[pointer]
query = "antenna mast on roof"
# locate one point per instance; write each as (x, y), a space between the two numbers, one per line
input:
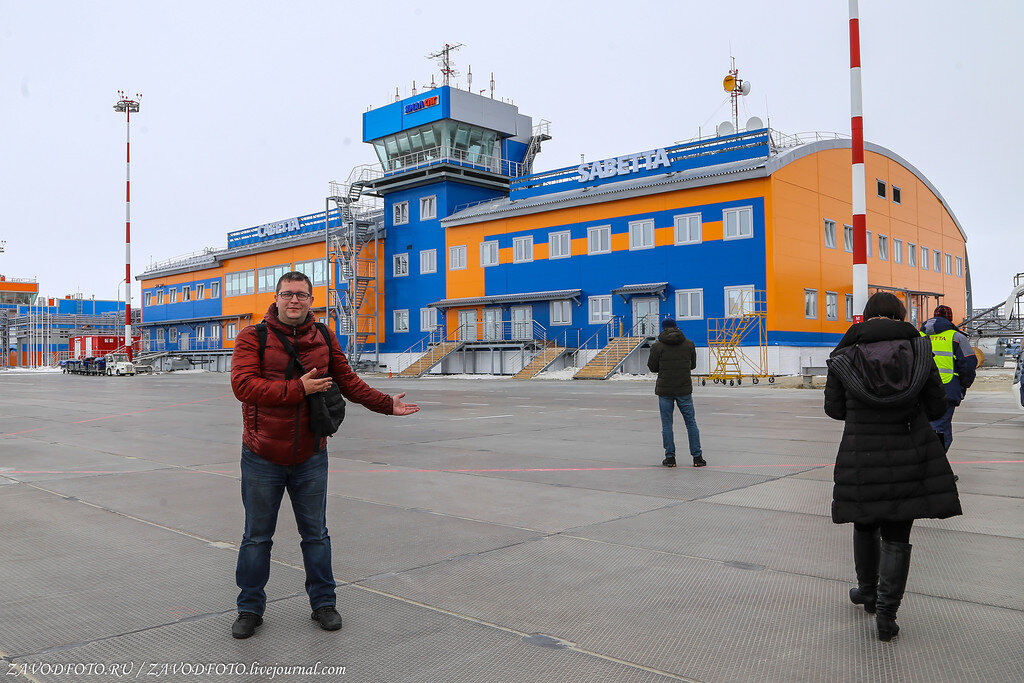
(447, 68)
(735, 87)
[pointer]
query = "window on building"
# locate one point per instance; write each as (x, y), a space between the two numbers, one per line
(266, 278)
(897, 250)
(400, 265)
(172, 296)
(559, 244)
(561, 313)
(811, 303)
(428, 208)
(911, 254)
(315, 270)
(230, 330)
(428, 319)
(600, 308)
(400, 213)
(880, 185)
(959, 266)
(201, 333)
(200, 291)
(147, 299)
(848, 238)
(215, 289)
(897, 195)
(599, 240)
(832, 305)
(689, 304)
(522, 249)
(883, 247)
(401, 320)
(641, 235)
(428, 261)
(457, 257)
(937, 260)
(739, 223)
(160, 298)
(688, 228)
(739, 300)
(868, 242)
(489, 253)
(830, 234)
(186, 293)
(849, 308)
(215, 331)
(924, 258)
(949, 264)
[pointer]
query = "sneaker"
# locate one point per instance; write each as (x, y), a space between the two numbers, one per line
(669, 461)
(327, 617)
(699, 461)
(245, 625)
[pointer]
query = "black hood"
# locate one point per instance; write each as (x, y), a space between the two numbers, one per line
(875, 330)
(672, 335)
(884, 373)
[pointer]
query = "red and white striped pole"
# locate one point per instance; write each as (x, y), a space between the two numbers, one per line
(128, 106)
(860, 241)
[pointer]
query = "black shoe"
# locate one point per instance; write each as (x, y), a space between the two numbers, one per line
(669, 461)
(893, 568)
(327, 617)
(699, 461)
(245, 625)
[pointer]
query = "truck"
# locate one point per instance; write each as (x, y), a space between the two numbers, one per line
(108, 365)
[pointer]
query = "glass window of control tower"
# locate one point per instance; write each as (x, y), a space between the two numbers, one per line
(442, 139)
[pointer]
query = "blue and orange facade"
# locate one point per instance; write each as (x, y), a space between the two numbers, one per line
(473, 242)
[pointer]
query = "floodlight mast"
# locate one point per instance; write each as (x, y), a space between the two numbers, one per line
(128, 107)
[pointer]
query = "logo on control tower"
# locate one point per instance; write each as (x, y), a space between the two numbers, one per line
(422, 104)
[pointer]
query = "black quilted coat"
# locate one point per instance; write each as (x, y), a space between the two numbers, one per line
(891, 467)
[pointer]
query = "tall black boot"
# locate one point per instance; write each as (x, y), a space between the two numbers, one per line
(865, 560)
(893, 567)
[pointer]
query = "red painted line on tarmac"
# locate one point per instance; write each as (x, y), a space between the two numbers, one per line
(149, 410)
(24, 432)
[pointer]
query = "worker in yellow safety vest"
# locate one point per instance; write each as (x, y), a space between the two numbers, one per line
(956, 362)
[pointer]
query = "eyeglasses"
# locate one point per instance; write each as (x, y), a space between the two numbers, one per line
(301, 296)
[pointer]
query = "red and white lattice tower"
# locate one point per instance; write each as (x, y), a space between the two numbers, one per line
(860, 241)
(128, 107)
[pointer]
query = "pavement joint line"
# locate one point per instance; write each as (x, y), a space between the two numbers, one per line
(4, 657)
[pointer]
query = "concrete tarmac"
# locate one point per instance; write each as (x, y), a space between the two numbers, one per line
(510, 531)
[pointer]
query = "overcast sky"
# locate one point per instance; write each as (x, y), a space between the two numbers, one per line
(249, 109)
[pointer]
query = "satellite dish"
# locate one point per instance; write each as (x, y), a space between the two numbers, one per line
(729, 83)
(754, 123)
(725, 128)
(745, 88)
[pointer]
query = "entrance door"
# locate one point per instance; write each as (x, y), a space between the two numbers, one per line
(492, 324)
(522, 322)
(467, 325)
(645, 316)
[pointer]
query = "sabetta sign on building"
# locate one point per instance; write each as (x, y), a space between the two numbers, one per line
(626, 165)
(422, 104)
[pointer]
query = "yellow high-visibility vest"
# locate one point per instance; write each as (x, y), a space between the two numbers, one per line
(942, 347)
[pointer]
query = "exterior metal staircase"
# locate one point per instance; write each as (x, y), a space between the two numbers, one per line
(542, 361)
(541, 134)
(610, 358)
(431, 357)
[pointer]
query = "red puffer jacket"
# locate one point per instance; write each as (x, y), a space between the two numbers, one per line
(275, 414)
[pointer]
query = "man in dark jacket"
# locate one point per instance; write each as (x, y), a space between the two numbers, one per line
(280, 451)
(956, 362)
(672, 357)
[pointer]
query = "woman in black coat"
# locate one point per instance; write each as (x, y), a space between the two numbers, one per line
(891, 468)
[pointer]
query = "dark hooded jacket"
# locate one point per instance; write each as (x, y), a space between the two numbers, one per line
(883, 382)
(964, 360)
(275, 413)
(672, 357)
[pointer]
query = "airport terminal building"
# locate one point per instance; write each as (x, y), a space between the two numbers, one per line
(450, 254)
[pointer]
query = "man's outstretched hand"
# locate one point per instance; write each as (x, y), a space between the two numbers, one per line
(401, 408)
(312, 385)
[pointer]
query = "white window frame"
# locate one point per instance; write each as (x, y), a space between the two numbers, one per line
(562, 238)
(686, 226)
(641, 234)
(400, 265)
(949, 264)
(687, 296)
(200, 291)
(489, 253)
(738, 288)
(897, 250)
(849, 308)
(912, 254)
(880, 188)
(457, 257)
(186, 293)
(925, 253)
(959, 266)
(230, 330)
(830, 234)
(522, 249)
(831, 305)
(428, 261)
(739, 212)
(810, 297)
(315, 270)
(201, 333)
(428, 207)
(561, 312)
(147, 299)
(401, 320)
(266, 278)
(848, 239)
(594, 235)
(937, 260)
(400, 213)
(867, 241)
(172, 295)
(428, 319)
(883, 248)
(600, 318)
(160, 298)
(215, 331)
(215, 289)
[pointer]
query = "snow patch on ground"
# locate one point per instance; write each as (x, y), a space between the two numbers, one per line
(565, 373)
(30, 371)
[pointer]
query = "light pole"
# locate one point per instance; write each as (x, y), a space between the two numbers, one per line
(128, 107)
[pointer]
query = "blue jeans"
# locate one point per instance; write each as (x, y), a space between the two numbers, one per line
(263, 486)
(944, 428)
(685, 403)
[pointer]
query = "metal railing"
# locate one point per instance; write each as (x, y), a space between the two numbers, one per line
(479, 333)
(195, 257)
(436, 155)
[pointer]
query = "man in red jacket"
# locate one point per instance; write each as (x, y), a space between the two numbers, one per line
(280, 452)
